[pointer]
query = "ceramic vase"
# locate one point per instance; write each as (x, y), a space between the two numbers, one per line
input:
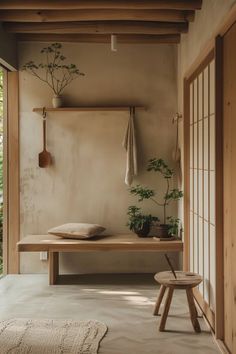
(57, 101)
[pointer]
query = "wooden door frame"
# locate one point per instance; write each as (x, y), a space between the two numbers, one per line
(219, 190)
(216, 41)
(216, 319)
(11, 189)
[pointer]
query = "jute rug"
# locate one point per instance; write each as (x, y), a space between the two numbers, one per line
(27, 336)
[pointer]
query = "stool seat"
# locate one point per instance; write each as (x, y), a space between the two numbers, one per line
(183, 280)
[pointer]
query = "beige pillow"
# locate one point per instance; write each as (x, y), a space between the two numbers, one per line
(77, 230)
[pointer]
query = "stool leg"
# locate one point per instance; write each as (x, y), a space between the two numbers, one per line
(193, 310)
(166, 309)
(159, 300)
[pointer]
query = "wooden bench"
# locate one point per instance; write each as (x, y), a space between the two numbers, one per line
(54, 245)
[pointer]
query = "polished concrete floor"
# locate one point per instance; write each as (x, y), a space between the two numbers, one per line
(124, 302)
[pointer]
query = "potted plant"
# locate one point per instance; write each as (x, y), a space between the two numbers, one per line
(53, 71)
(169, 226)
(138, 222)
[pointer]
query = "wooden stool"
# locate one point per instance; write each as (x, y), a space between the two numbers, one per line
(184, 280)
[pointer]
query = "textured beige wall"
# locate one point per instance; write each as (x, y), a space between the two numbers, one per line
(86, 183)
(206, 22)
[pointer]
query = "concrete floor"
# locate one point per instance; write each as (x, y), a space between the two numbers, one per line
(124, 302)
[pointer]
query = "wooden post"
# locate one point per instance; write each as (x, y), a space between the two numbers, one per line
(12, 193)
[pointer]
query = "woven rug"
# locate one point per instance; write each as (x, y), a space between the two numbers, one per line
(27, 336)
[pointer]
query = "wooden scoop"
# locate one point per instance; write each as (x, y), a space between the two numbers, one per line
(45, 158)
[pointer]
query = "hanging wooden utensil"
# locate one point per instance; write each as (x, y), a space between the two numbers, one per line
(45, 158)
(176, 153)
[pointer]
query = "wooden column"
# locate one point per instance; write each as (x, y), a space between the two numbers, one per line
(219, 323)
(12, 197)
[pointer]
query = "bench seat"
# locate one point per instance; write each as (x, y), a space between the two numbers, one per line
(128, 242)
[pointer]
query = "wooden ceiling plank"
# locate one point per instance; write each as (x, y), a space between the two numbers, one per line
(99, 27)
(95, 15)
(82, 38)
(99, 4)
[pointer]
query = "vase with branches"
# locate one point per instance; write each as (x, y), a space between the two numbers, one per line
(170, 223)
(54, 71)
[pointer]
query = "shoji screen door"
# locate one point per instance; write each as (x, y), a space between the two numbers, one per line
(200, 179)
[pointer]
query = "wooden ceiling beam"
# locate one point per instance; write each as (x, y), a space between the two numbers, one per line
(100, 27)
(83, 38)
(95, 15)
(99, 4)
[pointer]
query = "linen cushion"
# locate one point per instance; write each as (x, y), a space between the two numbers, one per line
(77, 230)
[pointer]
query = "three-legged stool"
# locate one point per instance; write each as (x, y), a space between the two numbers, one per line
(185, 280)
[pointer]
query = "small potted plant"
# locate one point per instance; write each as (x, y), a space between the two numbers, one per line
(170, 224)
(53, 71)
(138, 222)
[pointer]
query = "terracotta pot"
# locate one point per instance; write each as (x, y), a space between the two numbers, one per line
(57, 101)
(144, 231)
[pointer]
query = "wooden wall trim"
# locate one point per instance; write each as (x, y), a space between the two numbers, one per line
(219, 329)
(186, 174)
(13, 199)
(201, 65)
(221, 346)
(5, 176)
(208, 313)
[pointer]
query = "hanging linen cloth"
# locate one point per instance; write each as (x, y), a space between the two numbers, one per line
(129, 143)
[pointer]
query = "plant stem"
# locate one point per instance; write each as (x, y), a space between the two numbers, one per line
(155, 201)
(40, 78)
(166, 203)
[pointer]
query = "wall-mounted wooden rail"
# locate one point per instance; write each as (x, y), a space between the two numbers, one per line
(89, 108)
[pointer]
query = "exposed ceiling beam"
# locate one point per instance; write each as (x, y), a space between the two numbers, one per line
(99, 27)
(95, 15)
(83, 38)
(99, 4)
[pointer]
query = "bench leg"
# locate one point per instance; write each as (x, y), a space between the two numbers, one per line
(159, 300)
(166, 309)
(193, 310)
(53, 267)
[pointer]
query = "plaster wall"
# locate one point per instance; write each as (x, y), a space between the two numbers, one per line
(201, 31)
(86, 182)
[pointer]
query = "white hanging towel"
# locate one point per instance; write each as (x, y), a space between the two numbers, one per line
(129, 143)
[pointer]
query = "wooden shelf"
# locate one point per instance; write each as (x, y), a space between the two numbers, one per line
(88, 109)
